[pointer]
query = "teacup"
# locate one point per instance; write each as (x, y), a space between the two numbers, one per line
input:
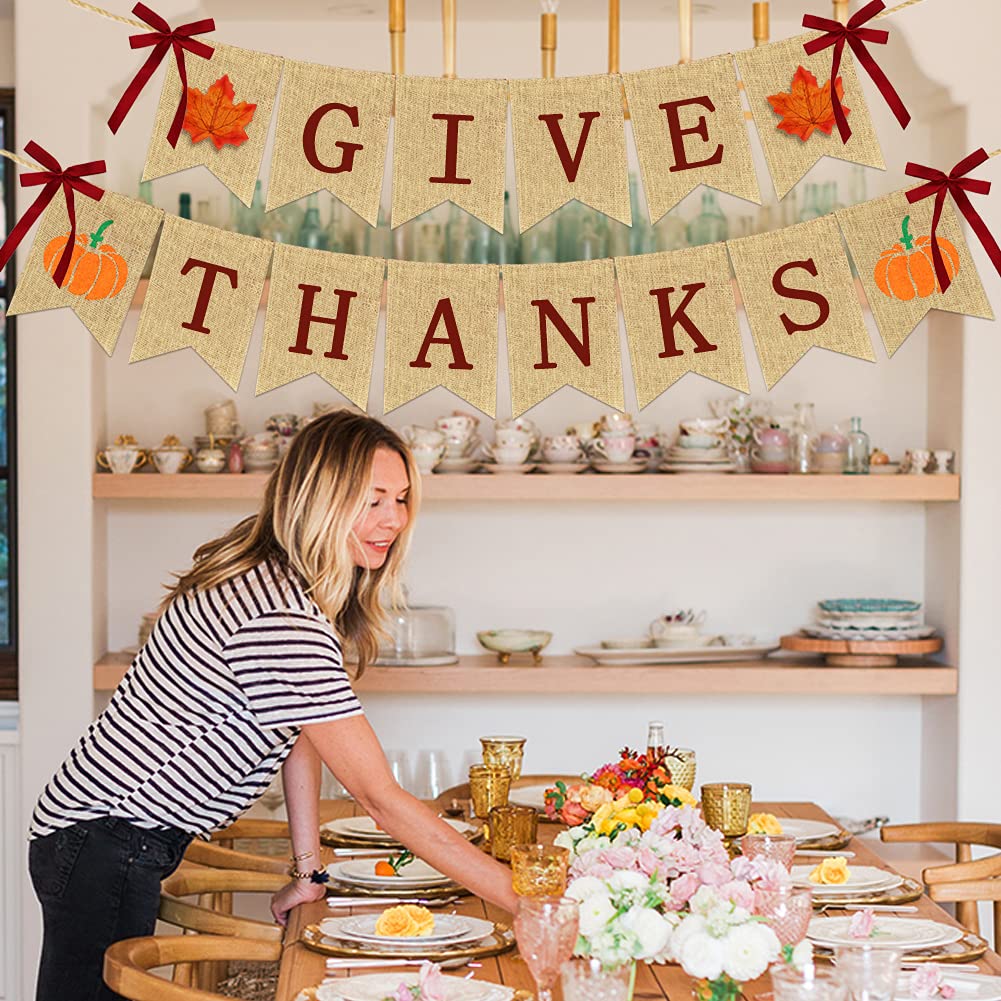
(614, 447)
(121, 458)
(616, 424)
(772, 438)
(945, 460)
(699, 440)
(221, 419)
(518, 424)
(647, 435)
(704, 425)
(668, 632)
(415, 435)
(584, 431)
(426, 457)
(169, 459)
(211, 460)
(561, 448)
(514, 436)
(461, 448)
(509, 455)
(458, 426)
(918, 460)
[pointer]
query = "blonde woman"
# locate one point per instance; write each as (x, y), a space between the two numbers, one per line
(242, 676)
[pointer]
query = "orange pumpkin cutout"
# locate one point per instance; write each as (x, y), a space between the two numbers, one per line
(907, 270)
(96, 269)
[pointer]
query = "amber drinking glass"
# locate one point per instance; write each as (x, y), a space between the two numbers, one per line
(539, 870)
(726, 807)
(681, 763)
(489, 786)
(510, 826)
(507, 752)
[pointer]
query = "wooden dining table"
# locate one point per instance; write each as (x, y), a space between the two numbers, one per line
(302, 967)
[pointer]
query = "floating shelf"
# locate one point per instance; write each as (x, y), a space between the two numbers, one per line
(558, 675)
(540, 487)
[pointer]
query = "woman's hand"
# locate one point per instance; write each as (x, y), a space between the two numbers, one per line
(299, 891)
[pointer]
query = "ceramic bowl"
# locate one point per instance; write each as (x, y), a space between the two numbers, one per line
(508, 641)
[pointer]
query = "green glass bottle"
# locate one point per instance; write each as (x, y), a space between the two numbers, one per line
(540, 243)
(184, 205)
(312, 234)
(467, 238)
(857, 459)
(710, 225)
(505, 247)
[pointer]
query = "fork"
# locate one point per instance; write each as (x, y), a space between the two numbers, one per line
(335, 903)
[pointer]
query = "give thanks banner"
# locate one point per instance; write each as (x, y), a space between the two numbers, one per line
(561, 321)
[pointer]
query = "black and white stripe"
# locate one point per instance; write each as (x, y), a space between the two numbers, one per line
(208, 711)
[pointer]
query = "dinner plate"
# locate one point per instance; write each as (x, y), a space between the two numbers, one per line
(888, 932)
(968, 986)
(807, 830)
(861, 878)
(378, 986)
(365, 827)
(361, 872)
(448, 928)
(533, 795)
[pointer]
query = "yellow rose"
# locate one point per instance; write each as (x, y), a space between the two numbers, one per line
(763, 823)
(831, 872)
(679, 793)
(405, 921)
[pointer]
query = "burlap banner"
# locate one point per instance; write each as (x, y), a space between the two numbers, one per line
(889, 241)
(562, 329)
(799, 293)
(450, 143)
(441, 330)
(689, 129)
(681, 317)
(323, 314)
(114, 239)
(332, 133)
(204, 293)
(569, 142)
(230, 99)
(789, 96)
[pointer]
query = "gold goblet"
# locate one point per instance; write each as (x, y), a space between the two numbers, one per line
(726, 807)
(511, 825)
(489, 786)
(539, 870)
(504, 751)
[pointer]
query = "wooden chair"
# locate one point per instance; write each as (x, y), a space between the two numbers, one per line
(969, 892)
(209, 853)
(127, 963)
(973, 873)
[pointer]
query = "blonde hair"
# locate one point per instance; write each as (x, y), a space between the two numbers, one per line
(312, 500)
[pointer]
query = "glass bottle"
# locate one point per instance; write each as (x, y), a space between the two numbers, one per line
(857, 185)
(670, 232)
(811, 204)
(429, 239)
(804, 429)
(468, 239)
(539, 244)
(790, 213)
(710, 225)
(857, 460)
(378, 240)
(184, 205)
(276, 227)
(250, 221)
(204, 213)
(504, 247)
(592, 240)
(312, 234)
(568, 220)
(656, 747)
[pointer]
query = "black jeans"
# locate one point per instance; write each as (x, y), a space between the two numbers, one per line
(98, 882)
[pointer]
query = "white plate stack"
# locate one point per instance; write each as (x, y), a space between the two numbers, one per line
(894, 622)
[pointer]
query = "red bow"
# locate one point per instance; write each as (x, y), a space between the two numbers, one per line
(856, 36)
(162, 38)
(54, 178)
(957, 185)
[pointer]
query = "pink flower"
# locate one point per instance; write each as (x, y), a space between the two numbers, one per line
(738, 893)
(683, 889)
(862, 924)
(573, 814)
(926, 982)
(403, 993)
(431, 982)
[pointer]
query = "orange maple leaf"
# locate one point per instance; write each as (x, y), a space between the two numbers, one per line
(213, 115)
(806, 106)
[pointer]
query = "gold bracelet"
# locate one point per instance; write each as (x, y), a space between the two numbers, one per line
(299, 858)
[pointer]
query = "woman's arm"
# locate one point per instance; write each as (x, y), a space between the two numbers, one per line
(351, 750)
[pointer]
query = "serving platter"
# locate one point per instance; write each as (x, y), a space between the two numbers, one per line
(640, 656)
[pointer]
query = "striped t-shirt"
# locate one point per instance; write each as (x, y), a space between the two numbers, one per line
(208, 711)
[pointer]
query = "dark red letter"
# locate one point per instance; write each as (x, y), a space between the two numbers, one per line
(571, 164)
(451, 148)
(797, 293)
(309, 139)
(581, 348)
(678, 134)
(669, 319)
(197, 322)
(307, 317)
(443, 311)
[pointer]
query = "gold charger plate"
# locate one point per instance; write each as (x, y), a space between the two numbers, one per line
(500, 941)
(964, 950)
(309, 994)
(332, 840)
(908, 891)
(439, 892)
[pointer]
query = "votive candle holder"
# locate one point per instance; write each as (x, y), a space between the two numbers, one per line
(489, 786)
(539, 870)
(509, 826)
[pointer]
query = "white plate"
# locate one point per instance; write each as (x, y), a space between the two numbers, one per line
(365, 827)
(891, 933)
(674, 655)
(533, 795)
(564, 468)
(435, 660)
(968, 986)
(632, 466)
(807, 830)
(870, 635)
(860, 878)
(448, 928)
(361, 872)
(377, 986)
(697, 467)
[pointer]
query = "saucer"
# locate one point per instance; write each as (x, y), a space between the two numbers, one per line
(460, 465)
(497, 467)
(697, 467)
(563, 468)
(632, 466)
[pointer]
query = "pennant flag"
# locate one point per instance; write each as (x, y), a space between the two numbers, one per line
(681, 317)
(228, 111)
(323, 313)
(890, 242)
(790, 97)
(450, 143)
(441, 330)
(332, 133)
(799, 293)
(689, 129)
(114, 239)
(204, 293)
(569, 142)
(562, 329)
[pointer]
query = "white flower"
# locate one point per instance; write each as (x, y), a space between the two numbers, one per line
(627, 879)
(802, 955)
(705, 901)
(701, 956)
(595, 914)
(565, 839)
(586, 886)
(652, 931)
(748, 950)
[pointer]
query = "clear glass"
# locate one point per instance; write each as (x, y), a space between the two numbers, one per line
(867, 972)
(776, 847)
(432, 776)
(802, 438)
(807, 984)
(588, 980)
(312, 235)
(811, 204)
(546, 931)
(400, 767)
(420, 631)
(539, 870)
(857, 460)
(787, 911)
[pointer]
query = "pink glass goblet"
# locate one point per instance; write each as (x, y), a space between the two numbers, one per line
(787, 911)
(546, 932)
(775, 847)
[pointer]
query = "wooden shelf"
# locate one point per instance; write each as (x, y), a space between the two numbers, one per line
(540, 487)
(559, 675)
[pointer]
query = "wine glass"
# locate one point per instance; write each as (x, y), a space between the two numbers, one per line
(546, 931)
